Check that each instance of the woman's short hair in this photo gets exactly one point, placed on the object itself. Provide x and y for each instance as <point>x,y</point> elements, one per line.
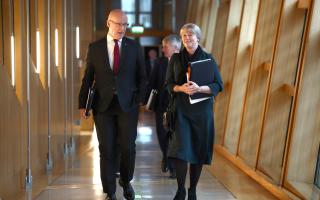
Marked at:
<point>193,28</point>
<point>173,40</point>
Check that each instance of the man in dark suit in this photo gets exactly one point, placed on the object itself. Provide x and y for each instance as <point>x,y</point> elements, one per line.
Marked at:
<point>150,63</point>
<point>170,44</point>
<point>116,65</point>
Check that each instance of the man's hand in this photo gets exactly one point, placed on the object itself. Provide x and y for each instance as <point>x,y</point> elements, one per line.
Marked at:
<point>82,113</point>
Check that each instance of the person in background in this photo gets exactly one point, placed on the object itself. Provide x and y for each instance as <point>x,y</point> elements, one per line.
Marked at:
<point>117,66</point>
<point>193,138</point>
<point>150,62</point>
<point>170,44</point>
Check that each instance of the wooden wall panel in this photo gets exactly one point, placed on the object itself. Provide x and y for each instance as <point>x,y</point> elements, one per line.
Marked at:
<point>203,13</point>
<point>211,25</point>
<point>12,153</point>
<point>58,114</point>
<point>6,37</point>
<point>85,21</point>
<point>69,69</point>
<point>227,66</point>
<point>39,124</point>
<point>206,6</point>
<point>43,28</point>
<point>58,117</point>
<point>86,37</point>
<point>56,87</point>
<point>192,11</point>
<point>199,9</point>
<point>261,89</point>
<point>13,123</point>
<point>58,22</point>
<point>264,44</point>
<point>241,74</point>
<point>20,55</point>
<point>220,31</point>
<point>279,102</point>
<point>306,126</point>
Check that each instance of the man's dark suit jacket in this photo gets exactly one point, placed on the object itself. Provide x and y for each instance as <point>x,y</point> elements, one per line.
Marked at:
<point>157,81</point>
<point>129,84</point>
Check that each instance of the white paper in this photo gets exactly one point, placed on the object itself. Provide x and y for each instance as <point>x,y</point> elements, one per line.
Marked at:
<point>193,101</point>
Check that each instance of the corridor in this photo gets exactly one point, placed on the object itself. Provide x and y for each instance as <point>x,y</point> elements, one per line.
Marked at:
<point>266,127</point>
<point>80,179</point>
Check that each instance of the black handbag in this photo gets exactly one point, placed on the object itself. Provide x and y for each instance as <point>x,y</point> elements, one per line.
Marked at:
<point>151,104</point>
<point>169,115</point>
<point>91,93</point>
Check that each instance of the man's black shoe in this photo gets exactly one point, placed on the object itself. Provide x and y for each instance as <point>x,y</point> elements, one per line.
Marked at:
<point>128,191</point>
<point>111,197</point>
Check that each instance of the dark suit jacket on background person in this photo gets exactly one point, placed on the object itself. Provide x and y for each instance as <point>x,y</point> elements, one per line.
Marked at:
<point>149,69</point>
<point>149,66</point>
<point>157,80</point>
<point>115,107</point>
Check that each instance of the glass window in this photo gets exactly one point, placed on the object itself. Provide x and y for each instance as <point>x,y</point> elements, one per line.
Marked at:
<point>128,5</point>
<point>145,20</point>
<point>131,19</point>
<point>145,5</point>
<point>144,13</point>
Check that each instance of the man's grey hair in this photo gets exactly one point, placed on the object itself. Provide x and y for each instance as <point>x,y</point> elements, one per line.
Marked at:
<point>193,28</point>
<point>173,40</point>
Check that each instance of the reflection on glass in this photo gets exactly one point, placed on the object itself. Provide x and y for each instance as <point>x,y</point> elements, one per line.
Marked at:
<point>96,158</point>
<point>145,20</point>
<point>38,51</point>
<point>147,197</point>
<point>12,61</point>
<point>128,5</point>
<point>77,42</point>
<point>145,5</point>
<point>56,35</point>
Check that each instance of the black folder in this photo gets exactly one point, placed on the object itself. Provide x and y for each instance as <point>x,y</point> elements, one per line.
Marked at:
<point>90,97</point>
<point>202,73</point>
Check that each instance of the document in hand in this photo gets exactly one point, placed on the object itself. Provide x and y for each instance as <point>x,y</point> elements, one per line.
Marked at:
<point>202,73</point>
<point>151,104</point>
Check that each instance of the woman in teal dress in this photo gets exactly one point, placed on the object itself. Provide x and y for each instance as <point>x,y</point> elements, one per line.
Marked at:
<point>193,138</point>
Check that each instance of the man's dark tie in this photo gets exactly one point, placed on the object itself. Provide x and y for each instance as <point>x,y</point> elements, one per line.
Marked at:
<point>116,57</point>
